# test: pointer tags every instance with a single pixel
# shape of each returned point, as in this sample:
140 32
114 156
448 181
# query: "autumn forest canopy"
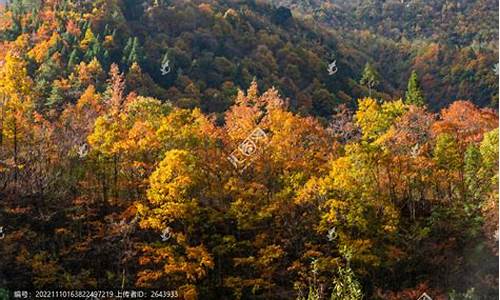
258 149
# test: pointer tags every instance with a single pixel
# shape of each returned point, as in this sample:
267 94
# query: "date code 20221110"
95 294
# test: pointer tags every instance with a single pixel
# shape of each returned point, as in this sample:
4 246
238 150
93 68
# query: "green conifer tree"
126 51
414 93
370 78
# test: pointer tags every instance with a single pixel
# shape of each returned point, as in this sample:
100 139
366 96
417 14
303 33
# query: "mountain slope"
453 45
212 48
215 47
459 23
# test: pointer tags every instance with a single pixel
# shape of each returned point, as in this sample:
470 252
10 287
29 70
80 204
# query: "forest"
250 149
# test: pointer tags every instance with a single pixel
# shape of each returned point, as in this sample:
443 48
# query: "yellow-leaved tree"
16 111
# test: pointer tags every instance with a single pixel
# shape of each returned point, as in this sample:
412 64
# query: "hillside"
231 43
223 49
453 45
459 23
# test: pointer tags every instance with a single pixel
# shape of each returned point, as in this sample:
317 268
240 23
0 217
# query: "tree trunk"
15 157
2 116
115 176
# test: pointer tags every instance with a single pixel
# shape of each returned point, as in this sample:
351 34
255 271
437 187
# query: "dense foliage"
457 22
117 119
453 45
